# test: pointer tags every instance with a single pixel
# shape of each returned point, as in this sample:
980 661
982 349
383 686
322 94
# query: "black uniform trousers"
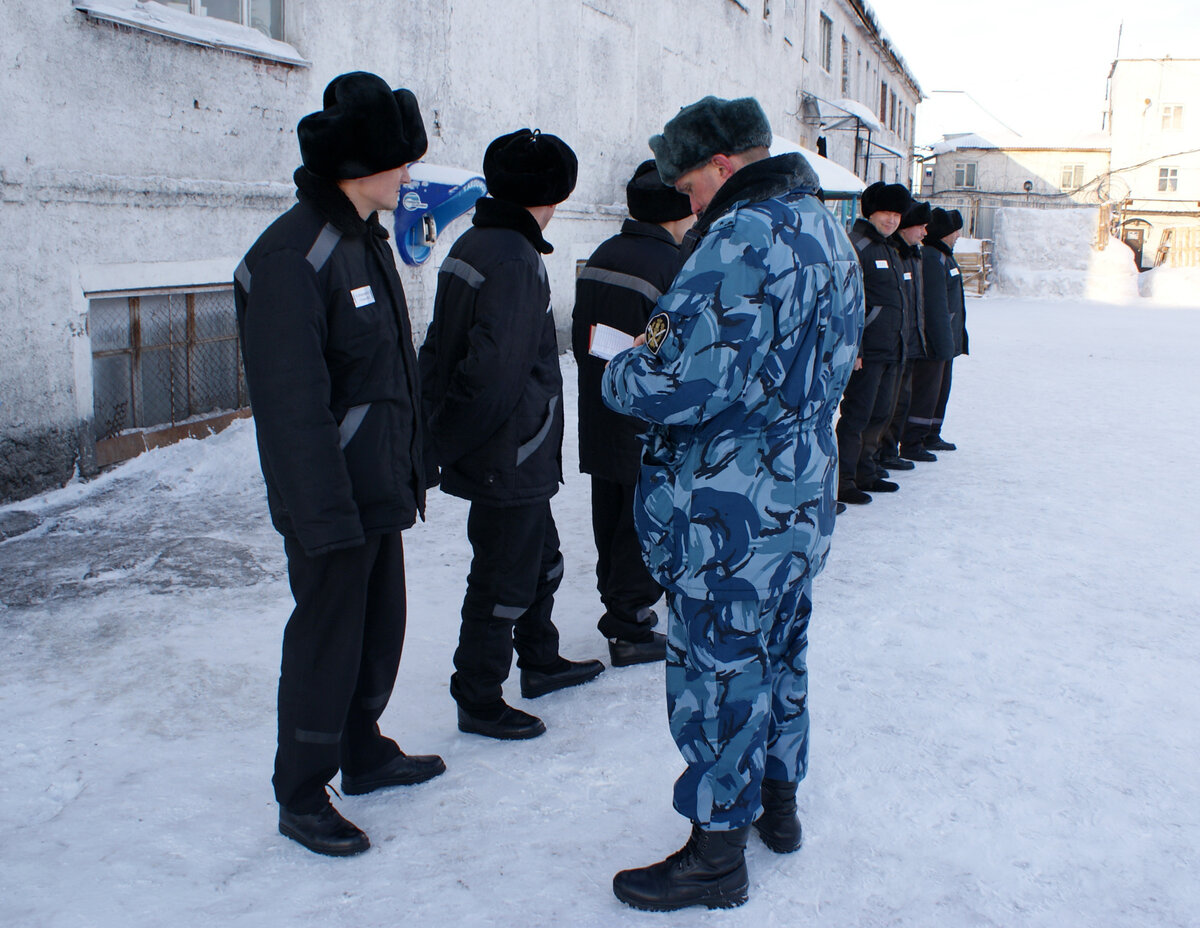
889 442
626 588
926 386
341 651
939 411
515 568
866 408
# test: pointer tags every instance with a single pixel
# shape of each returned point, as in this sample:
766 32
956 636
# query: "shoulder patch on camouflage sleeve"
657 330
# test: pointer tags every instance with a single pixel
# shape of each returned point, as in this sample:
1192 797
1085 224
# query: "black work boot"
709 870
538 681
779 825
402 770
323 831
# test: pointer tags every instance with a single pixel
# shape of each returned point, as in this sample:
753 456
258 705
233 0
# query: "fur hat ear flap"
708 127
364 128
530 168
650 200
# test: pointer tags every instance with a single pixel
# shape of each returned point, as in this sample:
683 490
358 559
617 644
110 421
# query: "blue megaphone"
434 198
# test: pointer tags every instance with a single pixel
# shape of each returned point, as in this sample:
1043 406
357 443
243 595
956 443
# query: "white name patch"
953 272
881 264
362 296
907 275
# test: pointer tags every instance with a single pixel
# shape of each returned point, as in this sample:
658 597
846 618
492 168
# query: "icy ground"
1004 688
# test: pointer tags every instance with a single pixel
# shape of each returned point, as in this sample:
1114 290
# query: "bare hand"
858 364
640 340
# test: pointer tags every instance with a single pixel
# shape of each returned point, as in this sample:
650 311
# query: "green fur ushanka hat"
363 128
706 128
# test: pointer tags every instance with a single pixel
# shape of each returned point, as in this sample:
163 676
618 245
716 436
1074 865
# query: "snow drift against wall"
1052 254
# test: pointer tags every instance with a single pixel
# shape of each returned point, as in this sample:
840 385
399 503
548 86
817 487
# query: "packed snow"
1003 664
1048 253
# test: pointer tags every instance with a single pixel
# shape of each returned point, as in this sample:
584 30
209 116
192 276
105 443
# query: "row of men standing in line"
894 405
738 374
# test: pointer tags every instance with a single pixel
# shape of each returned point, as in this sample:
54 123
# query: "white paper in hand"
608 342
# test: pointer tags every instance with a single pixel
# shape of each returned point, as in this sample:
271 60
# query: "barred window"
163 357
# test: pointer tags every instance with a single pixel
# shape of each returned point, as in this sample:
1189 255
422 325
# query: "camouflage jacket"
745 362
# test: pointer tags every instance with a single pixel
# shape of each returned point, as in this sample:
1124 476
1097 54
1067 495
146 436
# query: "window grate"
163 358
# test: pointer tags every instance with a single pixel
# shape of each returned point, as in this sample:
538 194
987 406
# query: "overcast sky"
1040 66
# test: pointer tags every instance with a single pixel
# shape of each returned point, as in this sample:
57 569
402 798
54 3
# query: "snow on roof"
832 177
860 110
1006 141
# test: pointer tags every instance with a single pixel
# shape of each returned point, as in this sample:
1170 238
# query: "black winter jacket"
490 377
912 332
331 371
882 279
944 299
618 287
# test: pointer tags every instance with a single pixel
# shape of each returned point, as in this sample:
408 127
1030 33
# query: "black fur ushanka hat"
530 168
364 128
893 198
650 200
709 127
917 215
940 225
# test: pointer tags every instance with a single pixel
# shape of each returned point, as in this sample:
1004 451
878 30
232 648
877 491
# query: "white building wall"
130 159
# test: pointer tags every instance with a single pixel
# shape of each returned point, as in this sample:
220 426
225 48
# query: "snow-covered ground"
1004 662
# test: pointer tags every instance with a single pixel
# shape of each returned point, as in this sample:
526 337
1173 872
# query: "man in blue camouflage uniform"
739 375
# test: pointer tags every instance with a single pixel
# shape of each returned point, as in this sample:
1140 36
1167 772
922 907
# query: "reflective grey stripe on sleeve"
350 423
872 315
242 275
323 247
860 242
525 450
463 271
617 279
318 737
375 702
555 571
508 612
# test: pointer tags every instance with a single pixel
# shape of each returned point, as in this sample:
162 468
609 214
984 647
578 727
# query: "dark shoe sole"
537 693
362 787
327 850
724 900
776 846
488 730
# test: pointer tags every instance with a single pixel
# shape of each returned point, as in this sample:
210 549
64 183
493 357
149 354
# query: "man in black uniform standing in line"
332 376
619 287
870 395
493 406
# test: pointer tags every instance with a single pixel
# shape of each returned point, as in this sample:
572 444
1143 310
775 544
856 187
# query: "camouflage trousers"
737 699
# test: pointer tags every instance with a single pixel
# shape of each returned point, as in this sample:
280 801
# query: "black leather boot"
538 681
402 770
779 825
323 831
709 870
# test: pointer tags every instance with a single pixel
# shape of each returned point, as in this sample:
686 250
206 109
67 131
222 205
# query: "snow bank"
1171 286
1052 254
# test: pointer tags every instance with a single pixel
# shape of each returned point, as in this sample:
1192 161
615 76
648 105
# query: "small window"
1168 180
826 47
264 15
1172 117
162 357
964 174
1072 177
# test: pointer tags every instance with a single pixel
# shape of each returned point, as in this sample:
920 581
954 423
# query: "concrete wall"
132 160
1006 171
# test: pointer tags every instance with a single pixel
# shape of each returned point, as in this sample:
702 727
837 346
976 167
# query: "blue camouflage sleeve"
708 334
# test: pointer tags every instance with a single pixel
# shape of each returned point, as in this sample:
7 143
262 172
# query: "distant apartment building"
1153 121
